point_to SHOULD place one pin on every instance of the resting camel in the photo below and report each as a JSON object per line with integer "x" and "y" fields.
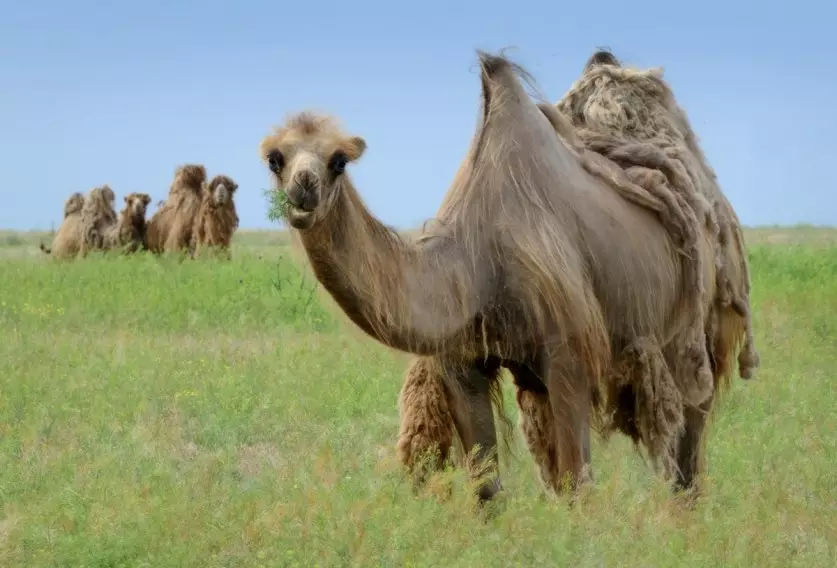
{"x": 536, "y": 263}
{"x": 170, "y": 228}
{"x": 217, "y": 219}
{"x": 97, "y": 214}
{"x": 630, "y": 118}
{"x": 67, "y": 240}
{"x": 127, "y": 234}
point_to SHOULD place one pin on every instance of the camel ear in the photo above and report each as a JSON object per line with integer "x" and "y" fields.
{"x": 355, "y": 147}
{"x": 125, "y": 198}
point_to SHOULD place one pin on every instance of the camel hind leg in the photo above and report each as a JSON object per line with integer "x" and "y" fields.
{"x": 438, "y": 399}
{"x": 426, "y": 419}
{"x": 690, "y": 451}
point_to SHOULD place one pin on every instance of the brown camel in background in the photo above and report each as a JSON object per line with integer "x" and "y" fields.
{"x": 67, "y": 240}
{"x": 127, "y": 234}
{"x": 216, "y": 220}
{"x": 97, "y": 214}
{"x": 170, "y": 228}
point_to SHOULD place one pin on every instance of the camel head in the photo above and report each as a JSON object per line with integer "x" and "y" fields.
{"x": 220, "y": 190}
{"x": 136, "y": 204}
{"x": 73, "y": 204}
{"x": 189, "y": 177}
{"x": 307, "y": 157}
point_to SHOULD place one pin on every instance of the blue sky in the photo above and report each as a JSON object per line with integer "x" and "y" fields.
{"x": 121, "y": 93}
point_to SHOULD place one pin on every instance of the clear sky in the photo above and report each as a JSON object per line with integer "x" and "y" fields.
{"x": 122, "y": 92}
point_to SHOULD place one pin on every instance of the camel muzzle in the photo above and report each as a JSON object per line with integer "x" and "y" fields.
{"x": 304, "y": 195}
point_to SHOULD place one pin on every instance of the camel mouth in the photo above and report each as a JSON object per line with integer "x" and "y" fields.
{"x": 299, "y": 218}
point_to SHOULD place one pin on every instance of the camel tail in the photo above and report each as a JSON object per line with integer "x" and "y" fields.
{"x": 44, "y": 249}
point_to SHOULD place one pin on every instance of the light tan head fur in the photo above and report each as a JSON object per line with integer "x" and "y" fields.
{"x": 220, "y": 191}
{"x": 308, "y": 156}
{"x": 136, "y": 205}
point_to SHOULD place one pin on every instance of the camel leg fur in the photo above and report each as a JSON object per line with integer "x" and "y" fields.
{"x": 426, "y": 418}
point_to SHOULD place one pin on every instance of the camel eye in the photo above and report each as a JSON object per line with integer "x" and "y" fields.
{"x": 275, "y": 161}
{"x": 338, "y": 162}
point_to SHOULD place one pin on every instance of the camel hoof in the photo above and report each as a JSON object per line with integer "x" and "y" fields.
{"x": 489, "y": 490}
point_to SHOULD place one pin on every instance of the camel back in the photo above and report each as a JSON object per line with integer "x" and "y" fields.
{"x": 632, "y": 117}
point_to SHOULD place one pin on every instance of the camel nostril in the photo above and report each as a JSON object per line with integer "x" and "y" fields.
{"x": 306, "y": 181}
{"x": 303, "y": 192}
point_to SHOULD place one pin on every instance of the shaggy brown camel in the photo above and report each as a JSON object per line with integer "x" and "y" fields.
{"x": 170, "y": 228}
{"x": 127, "y": 234}
{"x": 217, "y": 219}
{"x": 67, "y": 240}
{"x": 97, "y": 214}
{"x": 535, "y": 264}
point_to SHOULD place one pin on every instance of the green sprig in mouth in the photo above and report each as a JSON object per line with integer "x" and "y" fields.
{"x": 277, "y": 205}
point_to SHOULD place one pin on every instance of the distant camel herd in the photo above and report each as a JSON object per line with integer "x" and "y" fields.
{"x": 197, "y": 215}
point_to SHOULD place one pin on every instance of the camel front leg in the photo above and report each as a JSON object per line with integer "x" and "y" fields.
{"x": 473, "y": 417}
{"x": 570, "y": 400}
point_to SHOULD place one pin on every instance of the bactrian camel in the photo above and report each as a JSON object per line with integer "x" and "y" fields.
{"x": 537, "y": 263}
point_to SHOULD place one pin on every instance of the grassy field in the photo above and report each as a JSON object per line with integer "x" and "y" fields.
{"x": 156, "y": 413}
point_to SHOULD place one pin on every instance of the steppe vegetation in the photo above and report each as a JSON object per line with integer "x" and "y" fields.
{"x": 222, "y": 413}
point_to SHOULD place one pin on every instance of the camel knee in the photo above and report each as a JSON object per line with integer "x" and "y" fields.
{"x": 426, "y": 419}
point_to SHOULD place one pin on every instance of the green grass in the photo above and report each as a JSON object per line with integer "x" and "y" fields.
{"x": 157, "y": 413}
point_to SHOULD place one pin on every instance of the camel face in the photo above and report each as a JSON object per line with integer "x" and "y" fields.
{"x": 307, "y": 178}
{"x": 137, "y": 203}
{"x": 308, "y": 158}
{"x": 220, "y": 195}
